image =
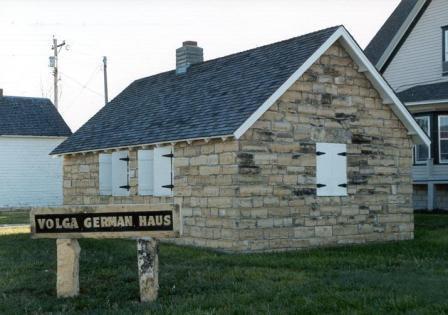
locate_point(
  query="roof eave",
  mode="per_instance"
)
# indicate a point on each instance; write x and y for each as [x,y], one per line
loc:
[145,145]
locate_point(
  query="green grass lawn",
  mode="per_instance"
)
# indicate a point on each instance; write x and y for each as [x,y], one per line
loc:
[16,217]
[405,277]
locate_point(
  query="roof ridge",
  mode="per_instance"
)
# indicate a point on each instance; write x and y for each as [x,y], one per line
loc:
[271,44]
[247,50]
[26,97]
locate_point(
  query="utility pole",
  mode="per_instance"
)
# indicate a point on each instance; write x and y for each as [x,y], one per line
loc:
[54,64]
[106,98]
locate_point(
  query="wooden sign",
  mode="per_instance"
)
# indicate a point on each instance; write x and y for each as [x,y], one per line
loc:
[147,223]
[106,221]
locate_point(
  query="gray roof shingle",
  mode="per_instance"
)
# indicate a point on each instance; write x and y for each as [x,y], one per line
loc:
[427,92]
[213,98]
[377,46]
[31,116]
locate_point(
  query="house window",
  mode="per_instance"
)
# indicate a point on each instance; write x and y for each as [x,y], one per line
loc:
[445,49]
[145,172]
[105,174]
[331,169]
[421,151]
[155,172]
[114,174]
[443,139]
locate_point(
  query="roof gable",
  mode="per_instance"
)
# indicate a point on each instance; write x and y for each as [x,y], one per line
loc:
[394,31]
[221,97]
[31,116]
[378,82]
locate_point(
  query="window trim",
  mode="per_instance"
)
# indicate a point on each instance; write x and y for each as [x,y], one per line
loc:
[441,161]
[418,162]
[445,50]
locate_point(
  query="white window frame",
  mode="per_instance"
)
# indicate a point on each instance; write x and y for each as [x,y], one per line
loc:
[145,159]
[105,174]
[119,168]
[445,43]
[331,170]
[159,176]
[441,161]
[416,161]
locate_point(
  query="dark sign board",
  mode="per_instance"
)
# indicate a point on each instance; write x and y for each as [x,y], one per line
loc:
[106,221]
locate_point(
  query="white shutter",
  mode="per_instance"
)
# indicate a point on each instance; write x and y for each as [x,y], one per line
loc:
[105,174]
[331,169]
[162,171]
[120,173]
[145,172]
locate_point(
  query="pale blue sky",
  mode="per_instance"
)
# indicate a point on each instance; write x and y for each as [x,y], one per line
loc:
[140,37]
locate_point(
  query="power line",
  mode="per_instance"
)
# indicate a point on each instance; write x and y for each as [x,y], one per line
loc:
[85,86]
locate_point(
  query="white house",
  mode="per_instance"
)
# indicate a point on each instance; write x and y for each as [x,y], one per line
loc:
[411,51]
[30,128]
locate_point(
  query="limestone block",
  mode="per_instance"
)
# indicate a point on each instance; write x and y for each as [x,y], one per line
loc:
[84,168]
[67,282]
[148,268]
[324,231]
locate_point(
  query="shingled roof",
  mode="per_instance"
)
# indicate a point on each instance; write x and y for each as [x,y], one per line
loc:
[31,116]
[396,26]
[218,98]
[425,93]
[212,98]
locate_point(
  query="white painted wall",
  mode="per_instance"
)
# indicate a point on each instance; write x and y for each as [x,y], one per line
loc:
[28,175]
[419,60]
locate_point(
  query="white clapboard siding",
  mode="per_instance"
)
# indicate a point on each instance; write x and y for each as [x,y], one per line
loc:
[162,171]
[29,176]
[105,174]
[331,169]
[120,173]
[419,59]
[145,172]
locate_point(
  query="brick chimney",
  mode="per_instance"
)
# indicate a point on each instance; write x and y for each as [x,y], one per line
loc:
[187,55]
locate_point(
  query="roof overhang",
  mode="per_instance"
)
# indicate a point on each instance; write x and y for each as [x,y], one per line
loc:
[146,145]
[428,106]
[388,95]
[34,137]
[428,102]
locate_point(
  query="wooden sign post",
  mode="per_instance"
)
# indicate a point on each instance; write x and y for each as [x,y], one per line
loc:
[146,223]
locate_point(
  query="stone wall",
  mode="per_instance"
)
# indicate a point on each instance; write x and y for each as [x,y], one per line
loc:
[258,193]
[332,102]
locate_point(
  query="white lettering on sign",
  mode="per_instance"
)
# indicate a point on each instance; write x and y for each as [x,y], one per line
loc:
[66,223]
[158,220]
[118,221]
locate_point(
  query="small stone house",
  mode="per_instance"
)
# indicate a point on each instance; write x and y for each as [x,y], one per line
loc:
[30,128]
[296,144]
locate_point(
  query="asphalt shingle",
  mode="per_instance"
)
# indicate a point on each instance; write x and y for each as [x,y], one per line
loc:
[212,98]
[31,116]
[427,92]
